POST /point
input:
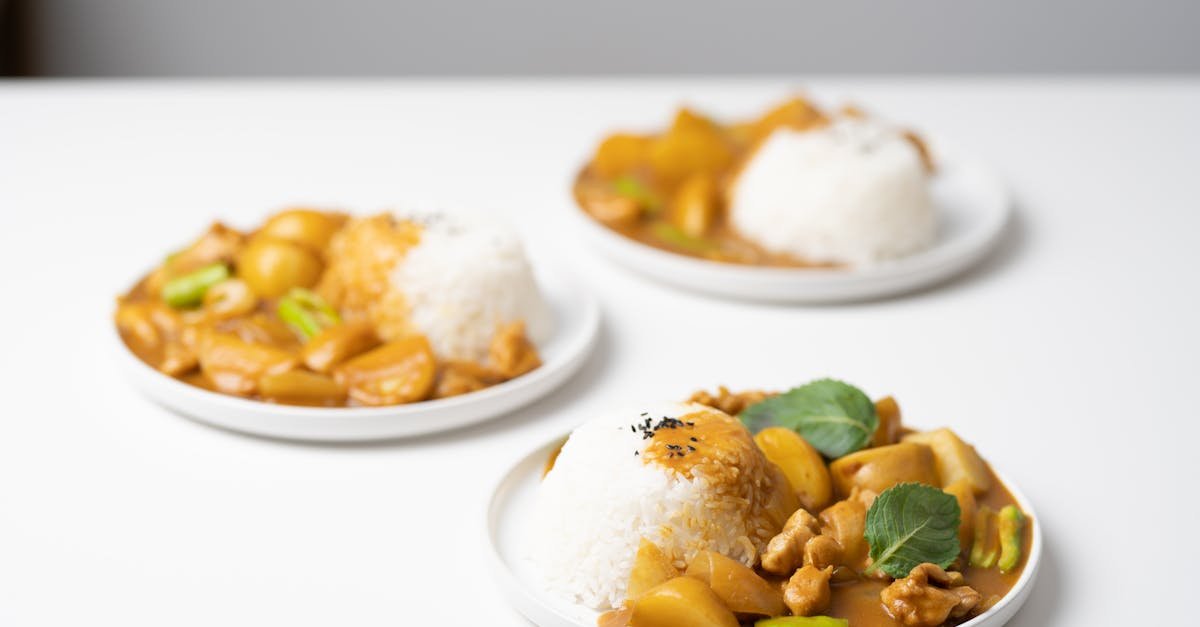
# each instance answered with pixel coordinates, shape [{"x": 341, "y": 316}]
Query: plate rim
[{"x": 519, "y": 596}]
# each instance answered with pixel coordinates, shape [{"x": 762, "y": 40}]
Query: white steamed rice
[
  {"x": 463, "y": 280},
  {"x": 600, "y": 500},
  {"x": 854, "y": 192}
]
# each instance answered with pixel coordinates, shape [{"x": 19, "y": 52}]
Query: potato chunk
[
  {"x": 801, "y": 464},
  {"x": 651, "y": 567},
  {"x": 336, "y": 344},
  {"x": 738, "y": 587},
  {"x": 397, "y": 372},
  {"x": 954, "y": 459},
  {"x": 681, "y": 601},
  {"x": 877, "y": 469},
  {"x": 693, "y": 145},
  {"x": 301, "y": 387},
  {"x": 962, "y": 491},
  {"x": 888, "y": 431}
]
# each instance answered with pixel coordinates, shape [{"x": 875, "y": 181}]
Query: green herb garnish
[
  {"x": 188, "y": 290},
  {"x": 910, "y": 524},
  {"x": 802, "y": 621},
  {"x": 675, "y": 236},
  {"x": 635, "y": 190},
  {"x": 835, "y": 417},
  {"x": 306, "y": 312}
]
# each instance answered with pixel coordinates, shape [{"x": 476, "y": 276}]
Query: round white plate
[
  {"x": 973, "y": 208},
  {"x": 508, "y": 521},
  {"x": 576, "y": 324}
]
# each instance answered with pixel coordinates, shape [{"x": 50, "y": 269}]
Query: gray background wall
[{"x": 365, "y": 37}]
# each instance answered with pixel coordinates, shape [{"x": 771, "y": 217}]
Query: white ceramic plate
[
  {"x": 973, "y": 207},
  {"x": 576, "y": 323},
  {"x": 508, "y": 520}
]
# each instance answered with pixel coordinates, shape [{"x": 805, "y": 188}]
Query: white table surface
[{"x": 1069, "y": 358}]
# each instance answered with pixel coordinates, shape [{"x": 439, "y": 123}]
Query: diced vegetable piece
[
  {"x": 954, "y": 458},
  {"x": 1010, "y": 523},
  {"x": 693, "y": 145},
  {"x": 984, "y": 550},
  {"x": 962, "y": 491},
  {"x": 880, "y": 468},
  {"x": 308, "y": 227},
  {"x": 135, "y": 321},
  {"x": 738, "y": 587},
  {"x": 510, "y": 353},
  {"x": 188, "y": 290},
  {"x": 229, "y": 299},
  {"x": 888, "y": 431},
  {"x": 273, "y": 266},
  {"x": 846, "y": 522},
  {"x": 673, "y": 235},
  {"x": 235, "y": 366},
  {"x": 796, "y": 114},
  {"x": 695, "y": 205},
  {"x": 619, "y": 153},
  {"x": 301, "y": 387},
  {"x": 397, "y": 372},
  {"x": 782, "y": 502},
  {"x": 306, "y": 312},
  {"x": 803, "y": 621},
  {"x": 337, "y": 343},
  {"x": 681, "y": 601},
  {"x": 637, "y": 191},
  {"x": 801, "y": 464},
  {"x": 650, "y": 568}
]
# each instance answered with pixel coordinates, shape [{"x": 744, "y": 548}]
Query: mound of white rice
[
  {"x": 601, "y": 499},
  {"x": 464, "y": 279},
  {"x": 854, "y": 192}
]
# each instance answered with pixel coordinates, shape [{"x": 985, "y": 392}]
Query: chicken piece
[
  {"x": 608, "y": 206},
  {"x": 845, "y": 521},
  {"x": 822, "y": 551},
  {"x": 511, "y": 353},
  {"x": 807, "y": 592},
  {"x": 153, "y": 331},
  {"x": 786, "y": 550},
  {"x": 732, "y": 403},
  {"x": 929, "y": 596},
  {"x": 462, "y": 377},
  {"x": 218, "y": 244}
]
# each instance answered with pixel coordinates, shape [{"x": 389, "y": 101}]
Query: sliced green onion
[
  {"x": 306, "y": 312},
  {"x": 675, "y": 236},
  {"x": 635, "y": 190},
  {"x": 188, "y": 290},
  {"x": 1011, "y": 522}
]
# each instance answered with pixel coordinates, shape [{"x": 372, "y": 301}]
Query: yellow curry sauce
[
  {"x": 298, "y": 312},
  {"x": 670, "y": 190},
  {"x": 855, "y": 594}
]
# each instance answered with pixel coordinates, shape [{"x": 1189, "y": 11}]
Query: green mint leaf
[
  {"x": 835, "y": 417},
  {"x": 910, "y": 524}
]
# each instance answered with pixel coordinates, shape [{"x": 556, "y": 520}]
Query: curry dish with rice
[
  {"x": 673, "y": 189},
  {"x": 876, "y": 525},
  {"x": 302, "y": 311}
]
